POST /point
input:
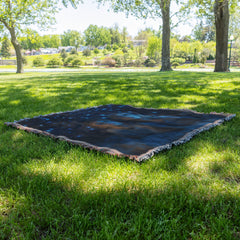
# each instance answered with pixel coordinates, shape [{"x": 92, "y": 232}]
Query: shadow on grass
[
  {"x": 44, "y": 203},
  {"x": 54, "y": 92},
  {"x": 45, "y": 207},
  {"x": 109, "y": 198}
]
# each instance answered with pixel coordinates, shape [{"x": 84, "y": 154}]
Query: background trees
[
  {"x": 115, "y": 35},
  {"x": 72, "y": 38},
  {"x": 50, "y": 41},
  {"x": 211, "y": 13},
  {"x": 97, "y": 36},
  {"x": 15, "y": 15},
  {"x": 205, "y": 32},
  {"x": 145, "y": 8},
  {"x": 154, "y": 47},
  {"x": 234, "y": 25},
  {"x": 5, "y": 49},
  {"x": 220, "y": 11},
  {"x": 31, "y": 40}
]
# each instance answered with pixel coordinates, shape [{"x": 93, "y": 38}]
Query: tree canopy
[
  {"x": 145, "y": 9},
  {"x": 220, "y": 10},
  {"x": 97, "y": 36},
  {"x": 22, "y": 13},
  {"x": 5, "y": 49},
  {"x": 71, "y": 38},
  {"x": 17, "y": 15}
]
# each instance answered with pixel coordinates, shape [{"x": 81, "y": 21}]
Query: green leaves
[
  {"x": 74, "y": 3},
  {"x": 97, "y": 36},
  {"x": 21, "y": 13},
  {"x": 5, "y": 49},
  {"x": 71, "y": 38}
]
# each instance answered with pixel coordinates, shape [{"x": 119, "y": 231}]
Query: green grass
[
  {"x": 52, "y": 190},
  {"x": 8, "y": 67}
]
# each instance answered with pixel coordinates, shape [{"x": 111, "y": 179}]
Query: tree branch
[{"x": 5, "y": 23}]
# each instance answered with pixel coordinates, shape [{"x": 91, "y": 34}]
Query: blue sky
[{"x": 89, "y": 13}]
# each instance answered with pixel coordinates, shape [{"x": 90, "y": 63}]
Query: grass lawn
[{"x": 52, "y": 190}]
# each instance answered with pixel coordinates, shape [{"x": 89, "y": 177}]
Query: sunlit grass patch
[{"x": 52, "y": 190}]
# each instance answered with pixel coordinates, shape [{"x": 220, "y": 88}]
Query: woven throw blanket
[{"x": 123, "y": 130}]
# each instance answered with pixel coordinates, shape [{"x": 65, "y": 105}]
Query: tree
[
  {"x": 144, "y": 9},
  {"x": 124, "y": 35},
  {"x": 72, "y": 38},
  {"x": 15, "y": 15},
  {"x": 51, "y": 41},
  {"x": 97, "y": 36},
  {"x": 154, "y": 48},
  {"x": 5, "y": 49},
  {"x": 115, "y": 35},
  {"x": 63, "y": 54},
  {"x": 31, "y": 41},
  {"x": 221, "y": 10},
  {"x": 234, "y": 25},
  {"x": 165, "y": 9},
  {"x": 144, "y": 35},
  {"x": 205, "y": 32}
]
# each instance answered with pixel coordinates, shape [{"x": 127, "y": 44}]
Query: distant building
[
  {"x": 82, "y": 48},
  {"x": 102, "y": 47},
  {"x": 33, "y": 52},
  {"x": 137, "y": 43},
  {"x": 67, "y": 48},
  {"x": 48, "y": 50}
]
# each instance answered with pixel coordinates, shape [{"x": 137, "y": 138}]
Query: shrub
[
  {"x": 63, "y": 54},
  {"x": 236, "y": 54},
  {"x": 105, "y": 52},
  {"x": 153, "y": 49},
  {"x": 125, "y": 50},
  {"x": 150, "y": 62},
  {"x": 38, "y": 62},
  {"x": 203, "y": 59},
  {"x": 76, "y": 62},
  {"x": 175, "y": 64},
  {"x": 126, "y": 59},
  {"x": 73, "y": 61},
  {"x": 96, "y": 50},
  {"x": 118, "y": 52},
  {"x": 97, "y": 62},
  {"x": 178, "y": 60},
  {"x": 211, "y": 57},
  {"x": 109, "y": 48},
  {"x": 24, "y": 60},
  {"x": 119, "y": 60},
  {"x": 86, "y": 52},
  {"x": 138, "y": 62},
  {"x": 54, "y": 62},
  {"x": 180, "y": 54},
  {"x": 109, "y": 61},
  {"x": 74, "y": 51},
  {"x": 68, "y": 60},
  {"x": 131, "y": 46},
  {"x": 115, "y": 46},
  {"x": 195, "y": 56}
]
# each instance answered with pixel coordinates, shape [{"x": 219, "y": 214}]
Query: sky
[{"x": 88, "y": 13}]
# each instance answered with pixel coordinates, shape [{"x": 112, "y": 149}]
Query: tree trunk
[
  {"x": 165, "y": 8},
  {"x": 17, "y": 48},
  {"x": 221, "y": 12}
]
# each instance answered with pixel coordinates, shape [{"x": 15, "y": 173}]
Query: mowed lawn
[{"x": 52, "y": 190}]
